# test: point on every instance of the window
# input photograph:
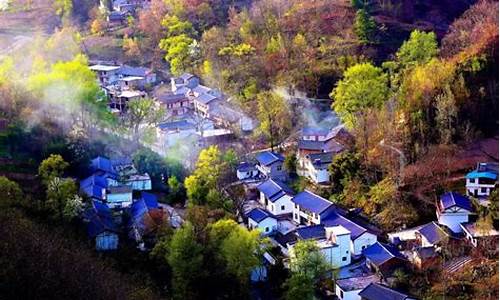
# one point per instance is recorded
(484, 190)
(267, 229)
(295, 216)
(363, 247)
(278, 168)
(282, 207)
(471, 180)
(341, 294)
(344, 258)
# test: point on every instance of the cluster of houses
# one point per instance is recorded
(120, 204)
(117, 11)
(349, 243)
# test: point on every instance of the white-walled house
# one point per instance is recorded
(480, 182)
(333, 242)
(246, 171)
(262, 220)
(310, 208)
(276, 197)
(270, 164)
(315, 167)
(452, 210)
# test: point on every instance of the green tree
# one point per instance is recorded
(308, 267)
(446, 115)
(148, 161)
(10, 193)
(344, 167)
(52, 167)
(211, 167)
(291, 163)
(142, 114)
(493, 207)
(274, 116)
(61, 200)
(364, 26)
(185, 258)
(419, 49)
(178, 44)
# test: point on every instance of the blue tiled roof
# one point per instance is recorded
(311, 232)
(258, 214)
(267, 158)
(335, 219)
(379, 253)
(92, 191)
(121, 161)
(376, 291)
(451, 199)
(144, 204)
(477, 174)
(100, 219)
(432, 232)
(311, 202)
(274, 189)
(245, 167)
(315, 131)
(94, 180)
(101, 163)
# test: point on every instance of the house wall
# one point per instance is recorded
(275, 170)
(119, 200)
(140, 185)
(285, 201)
(453, 220)
(298, 213)
(106, 241)
(366, 239)
(347, 295)
(245, 175)
(270, 224)
(474, 188)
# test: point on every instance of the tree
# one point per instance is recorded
(364, 86)
(419, 49)
(178, 44)
(62, 201)
(185, 258)
(141, 114)
(148, 161)
(308, 266)
(446, 115)
(291, 163)
(63, 8)
(10, 193)
(364, 26)
(363, 90)
(274, 116)
(493, 207)
(52, 167)
(176, 189)
(344, 167)
(211, 167)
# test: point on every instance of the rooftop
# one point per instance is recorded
(356, 283)
(476, 231)
(103, 68)
(433, 232)
(311, 232)
(205, 98)
(379, 253)
(451, 199)
(134, 71)
(274, 189)
(311, 202)
(267, 158)
(335, 219)
(258, 215)
(376, 291)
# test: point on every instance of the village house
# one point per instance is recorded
(119, 99)
(453, 209)
(311, 209)
(432, 235)
(424, 257)
(246, 171)
(144, 75)
(101, 226)
(186, 80)
(262, 220)
(316, 149)
(106, 75)
(270, 164)
(118, 197)
(146, 218)
(175, 105)
(480, 182)
(349, 288)
(333, 242)
(94, 187)
(384, 259)
(276, 196)
(477, 236)
(377, 291)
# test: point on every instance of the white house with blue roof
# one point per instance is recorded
(384, 259)
(480, 182)
(262, 220)
(270, 164)
(333, 242)
(276, 196)
(311, 209)
(452, 210)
